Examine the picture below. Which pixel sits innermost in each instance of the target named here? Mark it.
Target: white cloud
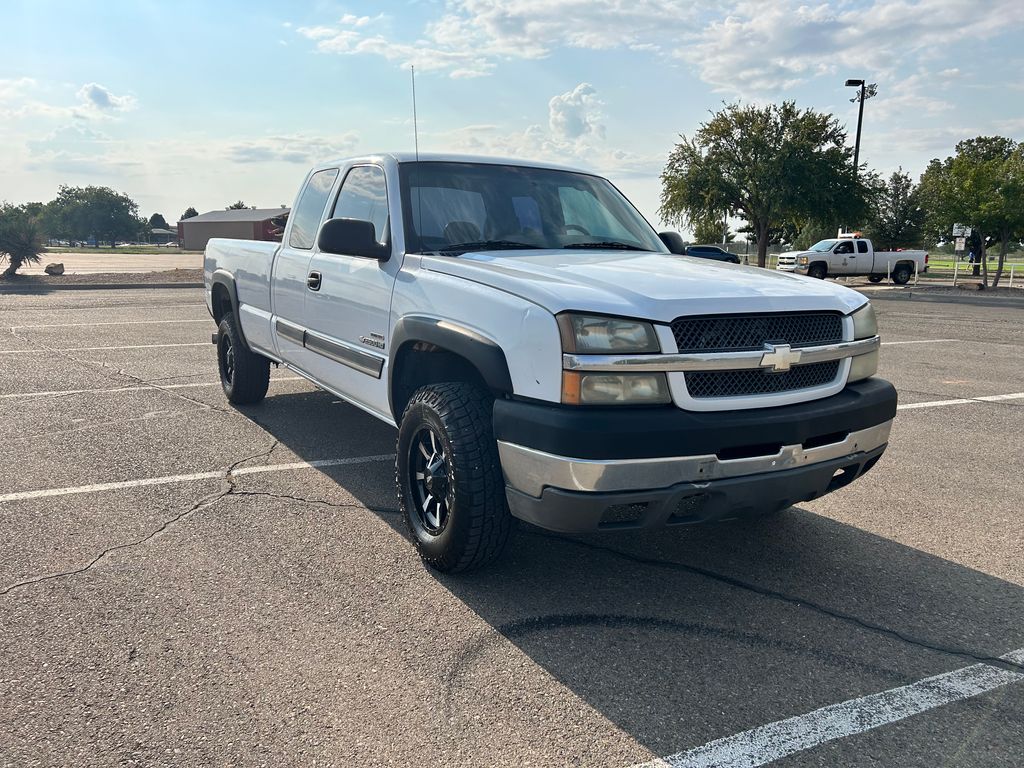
(575, 114)
(292, 148)
(95, 96)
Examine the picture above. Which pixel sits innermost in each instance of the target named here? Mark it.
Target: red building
(241, 224)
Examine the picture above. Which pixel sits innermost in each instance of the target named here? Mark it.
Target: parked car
(674, 242)
(849, 255)
(543, 355)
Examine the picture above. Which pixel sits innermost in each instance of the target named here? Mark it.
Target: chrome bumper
(530, 471)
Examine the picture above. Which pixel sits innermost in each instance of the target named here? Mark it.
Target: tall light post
(866, 92)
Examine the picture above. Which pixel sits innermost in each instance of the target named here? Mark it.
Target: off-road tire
(901, 275)
(244, 375)
(476, 522)
(819, 271)
(875, 278)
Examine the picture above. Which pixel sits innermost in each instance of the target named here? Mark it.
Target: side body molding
(485, 355)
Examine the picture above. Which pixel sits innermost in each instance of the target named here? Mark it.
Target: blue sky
(198, 103)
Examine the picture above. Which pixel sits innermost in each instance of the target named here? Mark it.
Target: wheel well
(814, 264)
(419, 363)
(221, 301)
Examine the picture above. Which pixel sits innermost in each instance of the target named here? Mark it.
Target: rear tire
(244, 375)
(901, 275)
(450, 485)
(875, 279)
(819, 271)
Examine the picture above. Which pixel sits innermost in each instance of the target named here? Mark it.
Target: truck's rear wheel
(819, 271)
(901, 275)
(450, 485)
(875, 279)
(244, 375)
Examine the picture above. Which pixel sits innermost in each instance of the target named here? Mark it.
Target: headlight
(865, 326)
(863, 366)
(595, 335)
(802, 261)
(614, 388)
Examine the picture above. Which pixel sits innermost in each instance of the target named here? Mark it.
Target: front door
(844, 259)
(347, 315)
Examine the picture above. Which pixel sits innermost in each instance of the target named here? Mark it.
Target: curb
(47, 287)
(977, 299)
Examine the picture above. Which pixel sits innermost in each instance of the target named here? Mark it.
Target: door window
(310, 208)
(862, 247)
(364, 196)
(846, 247)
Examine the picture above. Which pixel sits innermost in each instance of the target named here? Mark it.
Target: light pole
(865, 92)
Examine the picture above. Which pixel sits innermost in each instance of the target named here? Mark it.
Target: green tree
(21, 237)
(897, 215)
(79, 213)
(238, 205)
(157, 221)
(708, 230)
(771, 165)
(189, 213)
(982, 186)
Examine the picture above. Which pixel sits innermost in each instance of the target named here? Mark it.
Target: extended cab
(544, 356)
(849, 255)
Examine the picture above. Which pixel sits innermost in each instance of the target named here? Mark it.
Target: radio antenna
(415, 126)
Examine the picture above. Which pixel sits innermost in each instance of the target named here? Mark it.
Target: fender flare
(225, 278)
(481, 352)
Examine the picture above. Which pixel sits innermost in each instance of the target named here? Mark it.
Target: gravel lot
(179, 588)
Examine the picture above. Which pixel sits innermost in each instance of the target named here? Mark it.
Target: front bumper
(573, 469)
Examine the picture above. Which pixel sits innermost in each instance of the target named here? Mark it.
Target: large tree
(80, 213)
(238, 205)
(897, 215)
(771, 165)
(709, 230)
(157, 221)
(982, 186)
(189, 213)
(21, 238)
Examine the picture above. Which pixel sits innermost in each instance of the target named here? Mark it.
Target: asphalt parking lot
(179, 586)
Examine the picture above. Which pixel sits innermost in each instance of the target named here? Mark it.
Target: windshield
(823, 245)
(456, 207)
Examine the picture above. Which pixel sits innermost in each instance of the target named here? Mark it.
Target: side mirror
(352, 237)
(673, 241)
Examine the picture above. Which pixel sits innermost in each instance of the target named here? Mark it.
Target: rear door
(862, 265)
(348, 314)
(288, 283)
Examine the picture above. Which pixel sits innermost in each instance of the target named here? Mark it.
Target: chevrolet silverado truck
(849, 255)
(544, 357)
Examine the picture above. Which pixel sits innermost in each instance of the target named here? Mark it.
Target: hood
(654, 286)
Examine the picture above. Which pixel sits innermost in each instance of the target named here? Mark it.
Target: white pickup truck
(544, 356)
(849, 255)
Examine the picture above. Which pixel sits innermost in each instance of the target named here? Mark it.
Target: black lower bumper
(689, 503)
(644, 433)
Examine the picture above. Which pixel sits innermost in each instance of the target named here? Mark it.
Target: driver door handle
(313, 281)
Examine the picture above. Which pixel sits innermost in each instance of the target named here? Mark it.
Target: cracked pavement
(281, 618)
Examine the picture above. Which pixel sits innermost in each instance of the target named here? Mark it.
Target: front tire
(819, 271)
(875, 279)
(450, 485)
(244, 375)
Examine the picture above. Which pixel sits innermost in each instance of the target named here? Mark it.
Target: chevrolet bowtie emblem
(779, 357)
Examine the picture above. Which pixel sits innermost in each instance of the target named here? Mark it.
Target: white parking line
(54, 392)
(773, 741)
(119, 322)
(960, 401)
(170, 479)
(94, 349)
(918, 341)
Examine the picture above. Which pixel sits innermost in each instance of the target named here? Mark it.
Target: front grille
(701, 384)
(736, 333)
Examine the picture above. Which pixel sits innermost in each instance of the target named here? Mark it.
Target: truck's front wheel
(819, 271)
(244, 375)
(450, 485)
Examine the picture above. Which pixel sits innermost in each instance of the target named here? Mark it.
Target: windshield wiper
(486, 245)
(607, 244)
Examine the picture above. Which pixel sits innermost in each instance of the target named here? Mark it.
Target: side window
(862, 247)
(364, 196)
(846, 247)
(306, 216)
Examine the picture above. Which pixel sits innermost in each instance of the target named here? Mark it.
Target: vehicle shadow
(683, 635)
